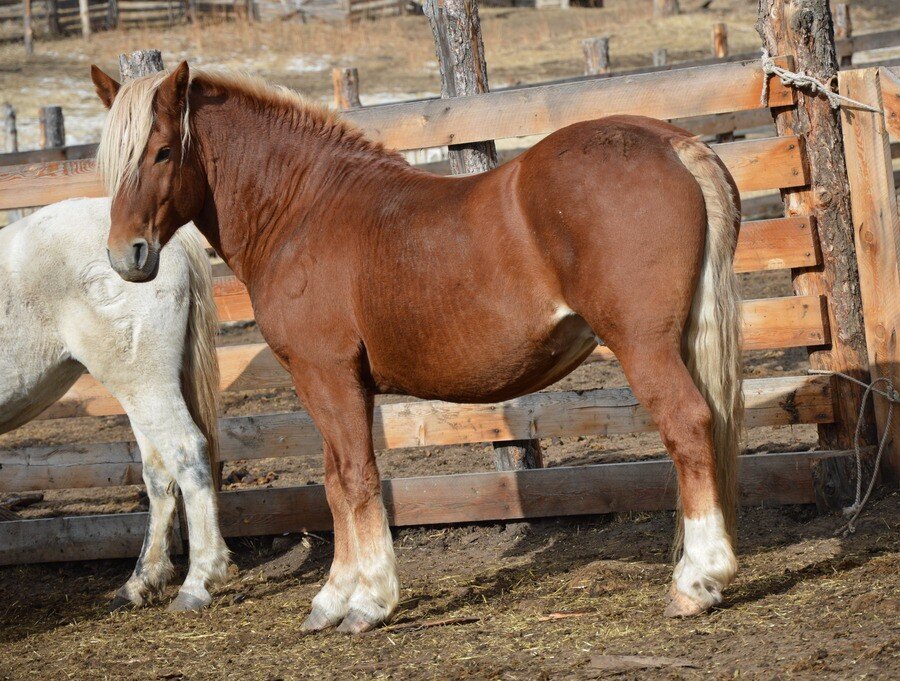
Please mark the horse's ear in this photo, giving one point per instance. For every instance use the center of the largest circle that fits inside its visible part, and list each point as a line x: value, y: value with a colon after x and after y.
x: 106, y: 87
x: 173, y: 91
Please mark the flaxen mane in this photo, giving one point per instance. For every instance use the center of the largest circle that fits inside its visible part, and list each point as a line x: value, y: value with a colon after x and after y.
x: 130, y: 120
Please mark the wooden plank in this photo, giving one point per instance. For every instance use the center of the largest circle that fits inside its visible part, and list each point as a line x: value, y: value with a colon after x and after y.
x: 876, y: 229
x: 890, y: 98
x: 764, y: 479
x: 42, y: 183
x: 789, y: 322
x: 770, y: 163
x: 769, y: 401
x: 86, y: 537
x: 777, y: 244
x: 72, y: 152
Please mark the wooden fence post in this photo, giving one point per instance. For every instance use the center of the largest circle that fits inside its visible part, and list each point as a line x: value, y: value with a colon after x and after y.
x: 140, y: 63
x: 843, y: 28
x: 11, y: 144
x: 27, y: 30
x: 52, y: 127
x: 803, y: 30
x: 346, y: 88
x: 665, y: 8
x: 720, y: 40
x: 460, y: 51
x: 84, y: 12
x: 660, y: 56
x: 53, y: 27
x: 112, y: 14
x: 877, y: 231
x: 596, y: 56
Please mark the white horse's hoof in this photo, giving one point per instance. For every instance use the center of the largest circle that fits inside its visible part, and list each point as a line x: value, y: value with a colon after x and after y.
x: 185, y: 602
x: 318, y: 620
x: 357, y: 623
x: 682, y: 605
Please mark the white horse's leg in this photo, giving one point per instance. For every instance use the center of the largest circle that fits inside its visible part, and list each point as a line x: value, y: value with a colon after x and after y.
x: 154, y: 567
x: 163, y: 417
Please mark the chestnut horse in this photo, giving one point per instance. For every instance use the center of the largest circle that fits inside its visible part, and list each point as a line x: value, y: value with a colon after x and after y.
x: 370, y: 276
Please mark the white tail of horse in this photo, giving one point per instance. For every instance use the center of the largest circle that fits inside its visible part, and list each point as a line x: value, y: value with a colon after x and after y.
x: 200, y: 366
x: 712, y: 337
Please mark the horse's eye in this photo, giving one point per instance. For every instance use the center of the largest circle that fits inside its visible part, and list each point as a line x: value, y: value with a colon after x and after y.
x: 163, y: 155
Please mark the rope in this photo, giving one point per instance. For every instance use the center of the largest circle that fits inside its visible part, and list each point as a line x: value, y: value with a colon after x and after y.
x: 801, y: 81
x: 892, y: 397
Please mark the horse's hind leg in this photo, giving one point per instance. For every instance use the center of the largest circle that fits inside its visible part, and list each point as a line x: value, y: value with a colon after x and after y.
x: 661, y: 382
x: 153, y: 569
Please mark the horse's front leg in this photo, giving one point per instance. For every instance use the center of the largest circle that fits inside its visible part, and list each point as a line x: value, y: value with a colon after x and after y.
x: 362, y: 588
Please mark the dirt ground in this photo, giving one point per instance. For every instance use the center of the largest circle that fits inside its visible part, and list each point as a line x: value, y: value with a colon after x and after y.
x: 553, y: 599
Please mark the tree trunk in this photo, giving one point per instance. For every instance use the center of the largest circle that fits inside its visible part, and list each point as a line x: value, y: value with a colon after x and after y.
x: 660, y: 56
x: 27, y: 30
x: 11, y: 144
x: 460, y: 52
x: 346, y: 88
x: 84, y: 12
x: 596, y: 56
x: 140, y: 63
x: 112, y: 14
x: 720, y: 40
x: 53, y: 27
x: 843, y: 29
x: 802, y: 28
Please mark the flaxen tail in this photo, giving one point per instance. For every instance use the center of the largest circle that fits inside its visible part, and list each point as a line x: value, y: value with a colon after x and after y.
x: 200, y: 365
x: 712, y: 338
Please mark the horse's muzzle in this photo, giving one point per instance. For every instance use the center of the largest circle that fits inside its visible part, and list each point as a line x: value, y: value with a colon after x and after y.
x: 139, y: 262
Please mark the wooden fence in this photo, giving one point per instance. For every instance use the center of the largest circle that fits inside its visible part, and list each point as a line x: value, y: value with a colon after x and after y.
x: 795, y: 321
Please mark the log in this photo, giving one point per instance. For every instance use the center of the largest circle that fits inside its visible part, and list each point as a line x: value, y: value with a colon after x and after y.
x: 52, y: 127
x: 346, y: 88
x: 803, y: 29
x: 720, y: 40
x: 889, y: 80
x: 460, y: 54
x: 53, y: 27
x: 785, y: 400
x: 11, y: 145
x: 112, y: 14
x: 764, y: 480
x: 140, y: 63
x: 877, y: 232
x: 596, y: 56
x: 660, y: 56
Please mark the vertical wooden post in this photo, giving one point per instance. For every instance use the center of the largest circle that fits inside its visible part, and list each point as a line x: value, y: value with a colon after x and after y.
x: 596, y: 56
x: 843, y: 29
x: 53, y: 27
x: 720, y: 40
x: 28, y: 31
x: 802, y: 28
x: 346, y: 88
x: 877, y: 232
x: 84, y: 11
x: 112, y: 14
x: 52, y: 127
x: 665, y: 8
x: 140, y: 63
x: 11, y: 144
x: 660, y: 56
x: 460, y: 51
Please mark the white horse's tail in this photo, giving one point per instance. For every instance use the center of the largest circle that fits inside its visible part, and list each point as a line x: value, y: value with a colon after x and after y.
x: 200, y: 365
x: 712, y: 337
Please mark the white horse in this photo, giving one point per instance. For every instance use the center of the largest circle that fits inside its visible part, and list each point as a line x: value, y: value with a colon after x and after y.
x: 151, y: 345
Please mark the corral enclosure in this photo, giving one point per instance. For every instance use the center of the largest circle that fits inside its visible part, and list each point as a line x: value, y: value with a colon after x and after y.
x: 784, y: 396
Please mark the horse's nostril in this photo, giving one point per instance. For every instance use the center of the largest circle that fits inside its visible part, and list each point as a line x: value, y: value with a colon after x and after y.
x: 140, y: 253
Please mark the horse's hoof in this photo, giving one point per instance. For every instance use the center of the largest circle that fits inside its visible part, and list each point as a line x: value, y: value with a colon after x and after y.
x: 185, y: 602
x: 356, y: 623
x: 317, y: 620
x: 681, y: 605
x: 120, y: 604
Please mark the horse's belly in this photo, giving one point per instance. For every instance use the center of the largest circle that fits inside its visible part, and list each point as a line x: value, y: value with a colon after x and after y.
x: 497, y: 364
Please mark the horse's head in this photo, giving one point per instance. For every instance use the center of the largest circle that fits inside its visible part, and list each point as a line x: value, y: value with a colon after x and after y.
x: 148, y: 166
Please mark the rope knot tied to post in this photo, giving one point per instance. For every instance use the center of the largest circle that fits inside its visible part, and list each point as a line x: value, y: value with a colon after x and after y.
x: 801, y: 82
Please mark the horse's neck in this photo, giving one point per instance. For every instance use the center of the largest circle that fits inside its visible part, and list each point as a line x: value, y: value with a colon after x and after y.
x: 274, y: 180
